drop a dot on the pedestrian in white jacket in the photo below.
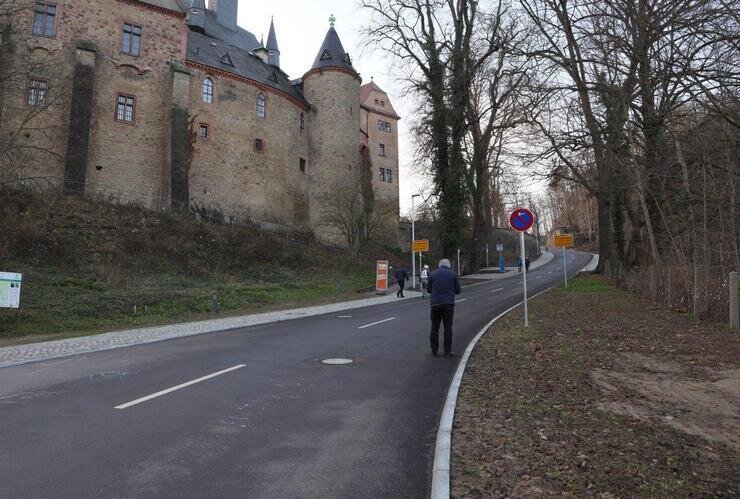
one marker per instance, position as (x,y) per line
(424,281)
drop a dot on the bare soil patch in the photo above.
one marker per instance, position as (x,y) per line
(604,395)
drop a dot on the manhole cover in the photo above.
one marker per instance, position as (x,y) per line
(337,362)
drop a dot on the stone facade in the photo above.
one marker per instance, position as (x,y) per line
(376,108)
(161,157)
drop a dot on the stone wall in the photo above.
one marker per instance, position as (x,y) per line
(228,174)
(128,160)
(333,138)
(386,193)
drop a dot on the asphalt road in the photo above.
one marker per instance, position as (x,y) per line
(279,423)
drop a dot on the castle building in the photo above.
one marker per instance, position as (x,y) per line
(168,103)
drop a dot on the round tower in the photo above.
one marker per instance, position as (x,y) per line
(332,86)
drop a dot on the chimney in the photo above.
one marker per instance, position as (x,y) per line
(226,11)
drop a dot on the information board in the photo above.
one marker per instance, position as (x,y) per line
(381,276)
(10,289)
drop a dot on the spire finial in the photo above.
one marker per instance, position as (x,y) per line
(332,20)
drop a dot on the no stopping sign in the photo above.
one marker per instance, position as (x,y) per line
(521,219)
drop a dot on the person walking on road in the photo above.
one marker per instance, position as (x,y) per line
(526,264)
(424,280)
(443,284)
(519,264)
(401,276)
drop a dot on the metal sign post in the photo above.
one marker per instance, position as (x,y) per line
(486,256)
(521,220)
(524,275)
(458,261)
(564,241)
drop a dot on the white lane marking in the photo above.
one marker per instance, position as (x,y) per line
(178,387)
(461,299)
(344,316)
(496,290)
(374,323)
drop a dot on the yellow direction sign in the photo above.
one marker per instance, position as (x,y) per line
(564,241)
(420,246)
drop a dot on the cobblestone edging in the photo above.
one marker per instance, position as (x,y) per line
(22,354)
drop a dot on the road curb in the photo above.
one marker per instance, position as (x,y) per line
(443,447)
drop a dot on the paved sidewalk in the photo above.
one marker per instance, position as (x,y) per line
(34,352)
(546,257)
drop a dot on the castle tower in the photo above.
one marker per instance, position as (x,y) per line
(273,52)
(332,87)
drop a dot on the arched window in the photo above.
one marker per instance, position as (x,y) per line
(261,105)
(303,122)
(208,91)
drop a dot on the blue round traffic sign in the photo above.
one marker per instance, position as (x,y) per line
(521,219)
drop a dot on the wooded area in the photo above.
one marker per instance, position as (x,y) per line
(629,109)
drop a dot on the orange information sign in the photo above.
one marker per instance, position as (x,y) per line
(420,246)
(381,276)
(564,241)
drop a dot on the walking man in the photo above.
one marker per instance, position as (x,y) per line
(526,263)
(401,276)
(443,284)
(424,280)
(519,263)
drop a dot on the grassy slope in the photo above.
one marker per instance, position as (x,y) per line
(91,266)
(534,419)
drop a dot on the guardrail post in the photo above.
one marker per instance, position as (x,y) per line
(734,317)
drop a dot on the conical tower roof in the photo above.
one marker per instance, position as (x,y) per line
(272,43)
(332,54)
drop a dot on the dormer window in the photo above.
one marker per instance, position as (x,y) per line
(261,105)
(208,91)
(226,59)
(326,56)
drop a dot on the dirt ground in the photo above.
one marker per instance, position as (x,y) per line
(604,395)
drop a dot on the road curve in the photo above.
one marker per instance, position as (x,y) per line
(250,412)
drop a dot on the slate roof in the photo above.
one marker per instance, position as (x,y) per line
(332,54)
(240,37)
(210,52)
(272,38)
(173,5)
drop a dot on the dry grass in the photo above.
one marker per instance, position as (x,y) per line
(604,395)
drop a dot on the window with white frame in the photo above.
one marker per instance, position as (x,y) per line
(126,108)
(36,93)
(381,149)
(208,91)
(261,105)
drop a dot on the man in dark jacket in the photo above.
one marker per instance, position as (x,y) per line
(443,285)
(401,276)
